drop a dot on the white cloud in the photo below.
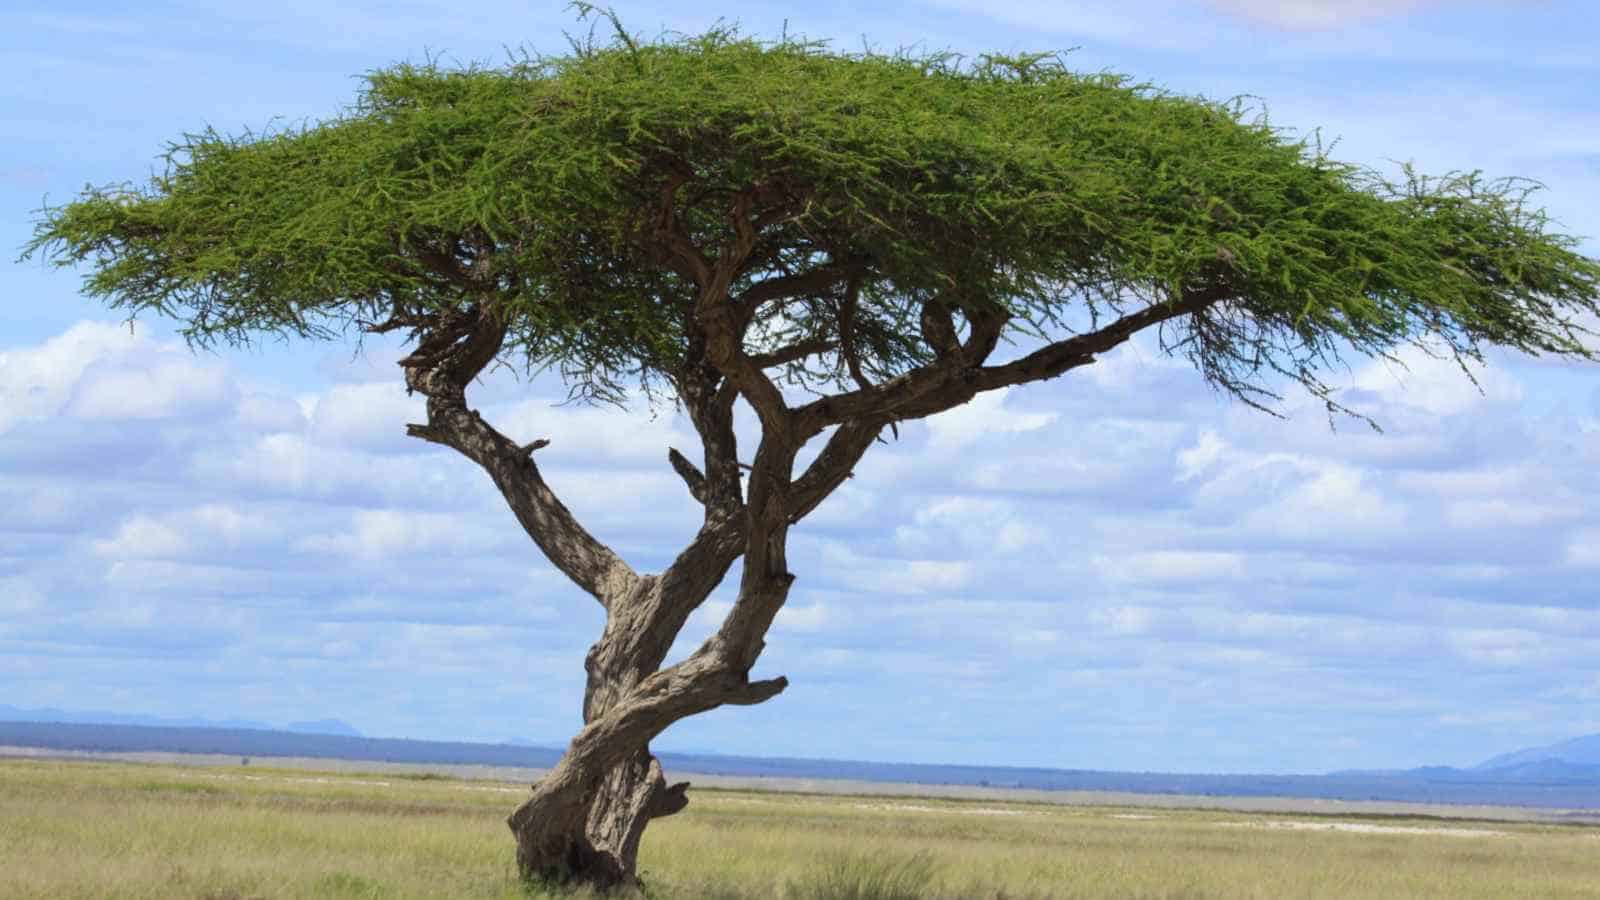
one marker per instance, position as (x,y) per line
(287,464)
(1485,483)
(1170,566)
(812,618)
(842,562)
(375,535)
(368,415)
(1193,461)
(1496,646)
(38,381)
(1124,621)
(1436,387)
(984,417)
(1583,549)
(142,537)
(1320,499)
(146,575)
(130,390)
(976,525)
(102,371)
(214,529)
(269,412)
(1506,513)
(923,575)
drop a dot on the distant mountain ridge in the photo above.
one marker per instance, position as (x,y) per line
(1580,751)
(324,726)
(1576,760)
(102,717)
(1572,761)
(1548,784)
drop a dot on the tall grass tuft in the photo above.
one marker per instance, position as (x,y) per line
(867,878)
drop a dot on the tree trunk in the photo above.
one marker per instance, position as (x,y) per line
(585,818)
(595,841)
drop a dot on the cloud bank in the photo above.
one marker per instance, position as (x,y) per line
(1114,556)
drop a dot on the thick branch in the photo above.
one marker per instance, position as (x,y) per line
(670,236)
(449,356)
(765,580)
(447,267)
(845,315)
(836,462)
(733,255)
(938,328)
(723,326)
(709,397)
(955,378)
(1054,359)
(691,476)
(792,352)
(810,283)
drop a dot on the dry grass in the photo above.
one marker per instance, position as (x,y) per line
(115,830)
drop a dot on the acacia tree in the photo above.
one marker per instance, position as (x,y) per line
(840,241)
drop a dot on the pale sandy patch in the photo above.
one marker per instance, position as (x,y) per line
(959,810)
(1368,828)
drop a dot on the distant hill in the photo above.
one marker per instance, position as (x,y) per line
(324,726)
(101,717)
(95,738)
(1580,751)
(1545,770)
(1538,784)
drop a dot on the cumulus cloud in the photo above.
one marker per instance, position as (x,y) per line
(365,415)
(1171,566)
(985,417)
(1174,548)
(976,525)
(134,390)
(380,535)
(143,538)
(104,371)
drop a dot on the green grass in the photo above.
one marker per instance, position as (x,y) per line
(116,830)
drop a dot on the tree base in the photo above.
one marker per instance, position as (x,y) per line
(591,836)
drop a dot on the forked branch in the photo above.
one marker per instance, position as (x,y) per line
(454,349)
(957,376)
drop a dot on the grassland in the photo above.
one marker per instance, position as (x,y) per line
(119,830)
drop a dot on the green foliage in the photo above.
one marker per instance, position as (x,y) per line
(1008,181)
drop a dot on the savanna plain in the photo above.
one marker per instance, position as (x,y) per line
(120,830)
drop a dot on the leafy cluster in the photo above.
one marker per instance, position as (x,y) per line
(539,189)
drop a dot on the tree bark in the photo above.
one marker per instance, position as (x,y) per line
(584,819)
(595,840)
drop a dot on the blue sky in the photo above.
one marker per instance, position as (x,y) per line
(1180,583)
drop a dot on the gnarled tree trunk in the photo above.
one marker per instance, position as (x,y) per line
(584,819)
(591,832)
(594,839)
